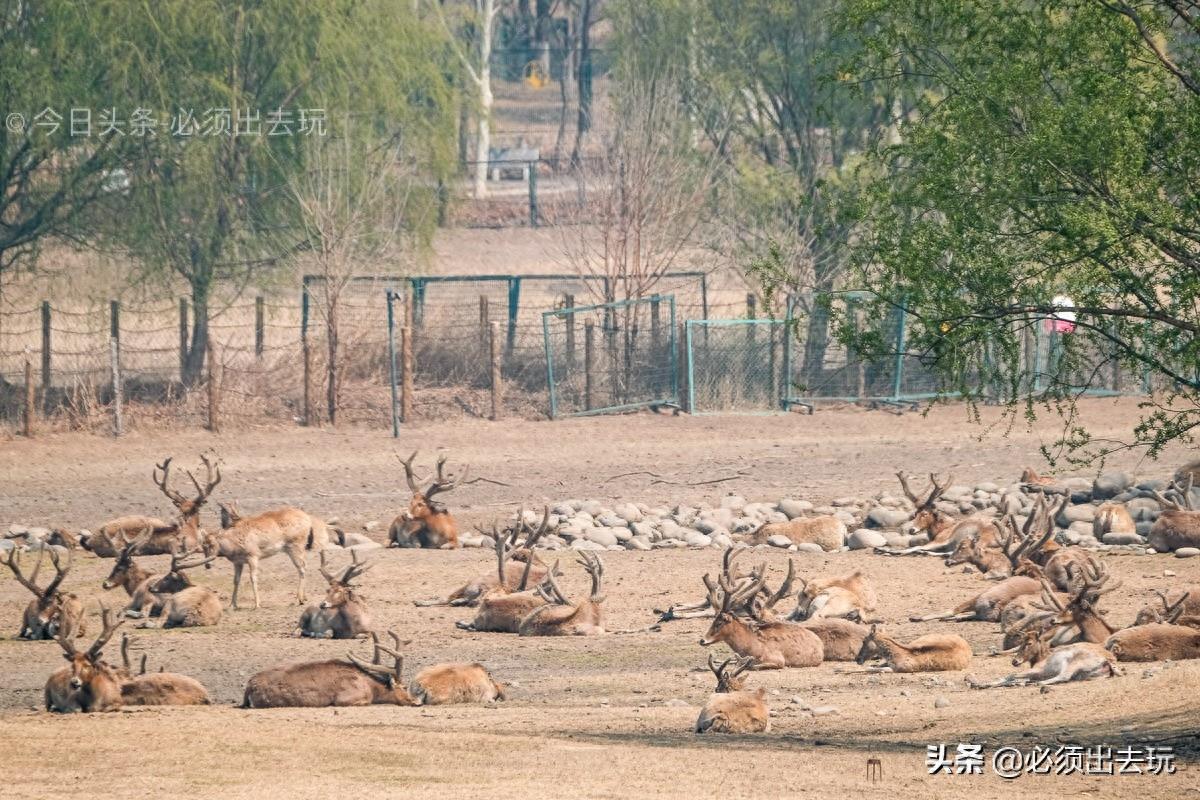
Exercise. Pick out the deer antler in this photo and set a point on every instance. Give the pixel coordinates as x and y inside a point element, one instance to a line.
<point>355,569</point>
<point>1174,612</point>
<point>110,627</point>
<point>174,496</point>
<point>907,491</point>
<point>60,573</point>
<point>785,590</point>
<point>441,483</point>
<point>548,588</point>
<point>212,478</point>
<point>595,568</point>
<point>408,471</point>
<point>13,562</point>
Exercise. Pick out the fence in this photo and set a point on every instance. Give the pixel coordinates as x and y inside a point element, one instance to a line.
<point>738,365</point>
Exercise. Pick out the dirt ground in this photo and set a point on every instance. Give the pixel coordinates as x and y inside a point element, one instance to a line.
<point>587,717</point>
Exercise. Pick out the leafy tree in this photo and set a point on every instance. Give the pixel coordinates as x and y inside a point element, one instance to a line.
<point>1051,152</point>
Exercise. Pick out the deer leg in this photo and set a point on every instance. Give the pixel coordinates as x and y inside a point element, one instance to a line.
<point>945,616</point>
<point>237,581</point>
<point>299,561</point>
<point>254,581</point>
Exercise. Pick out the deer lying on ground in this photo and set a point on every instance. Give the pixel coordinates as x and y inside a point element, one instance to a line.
<point>157,688</point>
<point>426,523</point>
<point>317,684</point>
<point>251,539</point>
<point>343,614</point>
<point>704,608</point>
<point>934,652</point>
<point>945,532</point>
<point>173,598</point>
<point>1074,662</point>
<point>847,596</point>
<point>164,538</point>
<point>62,698</point>
<point>52,612</point>
<point>1157,641</point>
<point>841,639</point>
<point>740,623</point>
<point>1078,618</point>
<point>828,532</point>
<point>1020,550</point>
<point>732,709</point>
<point>1112,518</point>
<point>443,684</point>
<point>558,616</point>
<point>1179,524</point>
<point>1185,601</point>
<point>987,605</point>
<point>501,608</point>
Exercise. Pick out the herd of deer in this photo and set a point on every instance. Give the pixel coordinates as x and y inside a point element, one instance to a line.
<point>1045,597</point>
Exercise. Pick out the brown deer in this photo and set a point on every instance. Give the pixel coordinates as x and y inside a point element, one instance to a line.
<point>158,688</point>
<point>731,708</point>
<point>317,684</point>
<point>934,652</point>
<point>502,608</point>
<point>1020,550</point>
<point>1185,601</point>
<point>250,539</point>
<point>704,608</point>
<point>987,605</point>
<point>739,624</point>
<point>1112,518</point>
<point>828,532</point>
<point>842,640</point>
<point>558,616</point>
<point>847,596</point>
<point>944,531</point>
<point>172,596</point>
<point>1179,524</point>
<point>92,683</point>
<point>426,523</point>
<point>134,579</point>
<point>1079,619</point>
<point>343,614</point>
<point>443,684</point>
<point>1157,641</point>
<point>52,612</point>
<point>1074,662</point>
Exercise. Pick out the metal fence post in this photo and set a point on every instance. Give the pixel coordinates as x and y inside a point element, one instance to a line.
<point>550,388</point>
<point>589,349</point>
<point>391,324</point>
<point>898,378</point>
<point>214,390</point>
<point>30,397</point>
<point>114,356</point>
<point>46,351</point>
<point>496,380</point>
<point>786,388</point>
<point>484,320</point>
<point>533,195</point>
<point>406,371</point>
<point>259,326</point>
<point>691,367</point>
<point>673,355</point>
<point>569,319</point>
<point>514,308</point>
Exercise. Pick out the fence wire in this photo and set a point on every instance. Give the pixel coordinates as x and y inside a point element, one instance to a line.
<point>736,366</point>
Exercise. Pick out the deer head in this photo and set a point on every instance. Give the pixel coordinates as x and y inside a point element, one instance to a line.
<point>728,600</point>
<point>1021,544</point>
<point>422,504</point>
<point>1035,647</point>
<point>341,588</point>
<point>1169,613</point>
<point>925,513</point>
<point>125,569</point>
<point>729,672</point>
<point>89,673</point>
<point>189,508</point>
<point>391,676</point>
<point>48,599</point>
<point>176,579</point>
<point>870,647</point>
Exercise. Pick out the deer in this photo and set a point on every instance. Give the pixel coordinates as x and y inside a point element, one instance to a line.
<point>945,532</point>
<point>1179,524</point>
<point>828,532</point>
<point>1079,619</point>
<point>343,614</point>
<point>1112,518</point>
<point>704,608</point>
<point>934,652</point>
<point>51,612</point>
<point>502,608</point>
<point>1185,601</point>
<point>172,596</point>
<point>164,538</point>
<point>1156,641</point>
<point>248,540</point>
<point>92,684</point>
<point>1018,549</point>
<point>1048,666</point>
<point>841,639</point>
<point>739,623</point>
<point>442,684</point>
<point>318,684</point>
<point>847,596</point>
<point>157,688</point>
<point>731,708</point>
<point>426,523</point>
<point>988,604</point>
<point>558,616</point>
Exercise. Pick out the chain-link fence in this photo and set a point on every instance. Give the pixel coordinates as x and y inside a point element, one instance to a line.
<point>736,366</point>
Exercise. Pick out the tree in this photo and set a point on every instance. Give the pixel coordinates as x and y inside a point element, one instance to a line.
<point>207,199</point>
<point>1052,153</point>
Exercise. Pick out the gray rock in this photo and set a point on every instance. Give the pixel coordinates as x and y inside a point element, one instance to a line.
<point>601,536</point>
<point>623,534</point>
<point>1079,496</point>
<point>722,540</point>
<point>1144,527</point>
<point>1080,513</point>
<point>863,539</point>
<point>583,518</point>
<point>641,529</point>
<point>890,502</point>
<point>628,512</point>
<point>1156,485</point>
<point>842,502</point>
<point>1118,537</point>
<point>1187,552</point>
<point>779,540</point>
<point>675,702</point>
<point>637,543</point>
<point>941,702</point>
<point>823,711</point>
<point>593,507</point>
<point>745,524</point>
<point>967,507</point>
<point>697,539</point>
<point>988,486</point>
<point>612,521</point>
<point>894,539</point>
<point>807,547</point>
<point>846,517</point>
<point>708,525</point>
<point>564,509</point>
<point>946,507</point>
<point>956,492</point>
<point>1082,528</point>
<point>917,539</point>
<point>733,502</point>
<point>886,518</point>
<point>795,508</point>
<point>1077,484</point>
<point>1143,508</point>
<point>1110,484</point>
<point>584,544</point>
<point>823,511</point>
<point>776,516</point>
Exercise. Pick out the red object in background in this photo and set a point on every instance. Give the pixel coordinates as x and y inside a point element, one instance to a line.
<point>1059,326</point>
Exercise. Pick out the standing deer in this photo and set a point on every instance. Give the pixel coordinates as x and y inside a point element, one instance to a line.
<point>426,523</point>
<point>52,612</point>
<point>502,608</point>
<point>560,617</point>
<point>317,684</point>
<point>1048,666</point>
<point>343,614</point>
<point>443,684</point>
<point>1179,524</point>
<point>738,623</point>
<point>934,652</point>
<point>731,708</point>
<point>251,539</point>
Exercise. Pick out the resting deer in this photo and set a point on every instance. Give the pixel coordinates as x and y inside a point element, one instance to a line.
<point>1157,641</point>
<point>841,639</point>
<point>558,616</point>
<point>171,597</point>
<point>1112,518</point>
<point>426,523</point>
<point>704,608</point>
<point>157,688</point>
<point>251,539</point>
<point>1074,662</point>
<point>1179,524</point>
<point>1019,550</point>
<point>944,531</point>
<point>52,612</point>
<point>502,608</point>
<point>731,708</point>
<point>514,571</point>
<point>317,684</point>
<point>92,684</point>
<point>163,538</point>
<point>847,596</point>
<point>987,605</point>
<point>343,614</point>
<point>828,532</point>
<point>934,652</point>
<point>1079,619</point>
<point>739,623</point>
<point>443,684</point>
<point>1185,601</point>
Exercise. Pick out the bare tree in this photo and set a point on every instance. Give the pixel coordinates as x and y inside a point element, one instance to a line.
<point>358,205</point>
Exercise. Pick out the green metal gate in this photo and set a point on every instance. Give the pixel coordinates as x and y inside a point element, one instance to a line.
<point>737,365</point>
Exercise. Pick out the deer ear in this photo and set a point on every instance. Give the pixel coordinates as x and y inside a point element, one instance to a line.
<point>66,656</point>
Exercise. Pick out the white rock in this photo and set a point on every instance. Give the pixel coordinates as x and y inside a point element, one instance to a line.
<point>1187,552</point>
<point>807,547</point>
<point>779,540</point>
<point>697,539</point>
<point>864,539</point>
<point>795,508</point>
<point>733,502</point>
<point>602,536</point>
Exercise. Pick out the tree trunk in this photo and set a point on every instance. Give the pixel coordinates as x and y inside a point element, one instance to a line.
<point>816,342</point>
<point>193,362</point>
<point>331,337</point>
<point>584,123</point>
<point>566,95</point>
<point>484,143</point>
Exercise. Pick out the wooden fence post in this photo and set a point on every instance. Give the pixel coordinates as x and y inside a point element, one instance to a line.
<point>860,366</point>
<point>306,353</point>
<point>406,372</point>
<point>30,397</point>
<point>183,335</point>
<point>214,390</point>
<point>497,380</point>
<point>259,326</point>
<point>569,319</point>
<point>46,351</point>
<point>589,348</point>
<point>484,318</point>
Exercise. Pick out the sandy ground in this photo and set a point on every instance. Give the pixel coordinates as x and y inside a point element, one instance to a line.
<point>588,717</point>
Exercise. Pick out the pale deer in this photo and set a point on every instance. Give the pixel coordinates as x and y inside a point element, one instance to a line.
<point>1157,641</point>
<point>426,523</point>
<point>343,614</point>
<point>1112,518</point>
<point>92,684</point>
<point>1184,600</point>
<point>251,539</point>
<point>443,684</point>
<point>317,684</point>
<point>944,531</point>
<point>1189,471</point>
<point>1179,524</point>
<point>1074,662</point>
<point>828,532</point>
<point>934,652</point>
<point>52,612</point>
<point>731,708</point>
<point>560,617</point>
<point>987,605</point>
<point>841,639</point>
<point>847,596</point>
<point>738,623</point>
<point>502,608</point>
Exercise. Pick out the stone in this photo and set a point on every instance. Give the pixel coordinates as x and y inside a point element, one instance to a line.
<point>721,540</point>
<point>583,518</point>
<point>370,526</point>
<point>675,702</point>
<point>628,512</point>
<point>823,711</point>
<point>733,502</point>
<point>941,702</point>
<point>894,539</point>
<point>795,508</point>
<point>585,544</point>
<point>987,486</point>
<point>1119,537</point>
<point>779,540</point>
<point>863,539</point>
<point>564,509</point>
<point>623,534</point>
<point>1082,528</point>
<point>601,536</point>
<point>808,547</point>
<point>777,516</point>
<point>1110,484</point>
<point>1077,484</point>
<point>697,539</point>
<point>846,517</point>
<point>641,529</point>
<point>745,524</point>
<point>1080,513</point>
<point>917,539</point>
<point>957,491</point>
<point>1143,509</point>
<point>842,502</point>
<point>612,520</point>
<point>637,543</point>
<point>1144,527</point>
<point>592,507</point>
<point>1187,552</point>
<point>1156,485</point>
<point>886,518</point>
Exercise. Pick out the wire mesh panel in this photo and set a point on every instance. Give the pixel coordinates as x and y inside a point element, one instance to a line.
<point>736,365</point>
<point>611,357</point>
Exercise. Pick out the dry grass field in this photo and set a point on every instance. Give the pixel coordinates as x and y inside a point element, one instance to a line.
<point>606,717</point>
